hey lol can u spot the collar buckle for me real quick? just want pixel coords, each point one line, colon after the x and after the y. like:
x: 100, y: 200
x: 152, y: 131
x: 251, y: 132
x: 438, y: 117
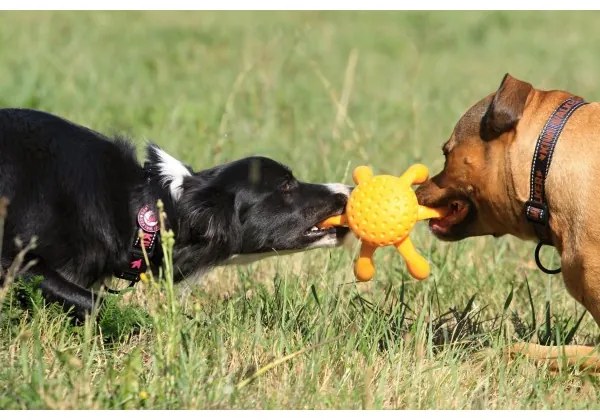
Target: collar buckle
x: 537, y: 212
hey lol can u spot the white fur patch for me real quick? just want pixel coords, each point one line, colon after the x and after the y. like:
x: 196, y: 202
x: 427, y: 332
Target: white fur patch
x: 329, y: 241
x: 240, y: 259
x: 339, y: 189
x: 172, y: 172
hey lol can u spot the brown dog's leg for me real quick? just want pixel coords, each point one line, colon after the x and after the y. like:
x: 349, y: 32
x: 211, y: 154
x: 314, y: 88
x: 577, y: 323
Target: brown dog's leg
x: 557, y: 357
x: 582, y: 284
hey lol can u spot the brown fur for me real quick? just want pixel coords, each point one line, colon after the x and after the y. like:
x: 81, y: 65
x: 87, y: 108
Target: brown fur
x: 488, y: 161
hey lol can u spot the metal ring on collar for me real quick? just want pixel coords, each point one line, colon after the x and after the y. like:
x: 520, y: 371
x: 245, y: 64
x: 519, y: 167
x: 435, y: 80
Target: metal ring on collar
x: 539, y: 262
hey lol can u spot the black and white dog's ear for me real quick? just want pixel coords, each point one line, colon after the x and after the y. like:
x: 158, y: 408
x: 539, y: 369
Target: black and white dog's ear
x: 170, y: 171
x: 207, y: 215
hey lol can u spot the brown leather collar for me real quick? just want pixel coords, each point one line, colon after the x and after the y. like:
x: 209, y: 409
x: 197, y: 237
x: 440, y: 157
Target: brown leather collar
x: 536, y: 208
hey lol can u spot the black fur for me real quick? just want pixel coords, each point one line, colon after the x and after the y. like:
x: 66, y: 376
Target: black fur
x: 79, y: 192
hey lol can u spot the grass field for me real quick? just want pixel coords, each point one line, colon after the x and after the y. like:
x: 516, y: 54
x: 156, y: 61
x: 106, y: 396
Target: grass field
x: 296, y: 331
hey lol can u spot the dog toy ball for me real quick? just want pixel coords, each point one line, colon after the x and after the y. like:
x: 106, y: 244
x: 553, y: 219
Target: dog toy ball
x: 381, y: 211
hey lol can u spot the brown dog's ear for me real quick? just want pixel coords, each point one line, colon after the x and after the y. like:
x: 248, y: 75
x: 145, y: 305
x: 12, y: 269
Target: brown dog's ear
x: 506, y: 108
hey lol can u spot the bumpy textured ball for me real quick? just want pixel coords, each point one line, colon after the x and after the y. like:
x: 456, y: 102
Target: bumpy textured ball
x: 382, y: 210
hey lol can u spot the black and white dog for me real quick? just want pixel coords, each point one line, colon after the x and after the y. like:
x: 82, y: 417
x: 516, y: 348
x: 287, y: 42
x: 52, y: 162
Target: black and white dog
x: 85, y: 197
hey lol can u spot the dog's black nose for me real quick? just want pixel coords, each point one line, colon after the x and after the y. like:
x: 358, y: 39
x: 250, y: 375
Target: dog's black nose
x: 340, y: 200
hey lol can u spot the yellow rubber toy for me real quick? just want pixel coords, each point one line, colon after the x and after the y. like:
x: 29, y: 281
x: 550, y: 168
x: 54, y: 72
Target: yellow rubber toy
x: 381, y: 211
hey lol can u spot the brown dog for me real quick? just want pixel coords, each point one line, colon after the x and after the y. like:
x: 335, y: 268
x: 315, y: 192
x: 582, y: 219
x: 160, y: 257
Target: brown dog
x: 486, y: 182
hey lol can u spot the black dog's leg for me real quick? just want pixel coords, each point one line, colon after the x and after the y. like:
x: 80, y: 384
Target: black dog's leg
x: 70, y: 295
x: 55, y: 288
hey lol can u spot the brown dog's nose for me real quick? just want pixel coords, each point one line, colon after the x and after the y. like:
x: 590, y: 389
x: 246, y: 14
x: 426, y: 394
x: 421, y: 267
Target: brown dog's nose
x: 422, y: 192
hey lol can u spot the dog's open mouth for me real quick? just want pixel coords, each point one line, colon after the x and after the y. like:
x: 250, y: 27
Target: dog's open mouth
x: 458, y: 210
x: 315, y: 232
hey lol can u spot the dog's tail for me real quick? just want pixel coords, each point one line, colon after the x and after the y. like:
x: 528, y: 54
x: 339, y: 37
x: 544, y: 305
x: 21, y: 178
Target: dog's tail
x: 559, y: 357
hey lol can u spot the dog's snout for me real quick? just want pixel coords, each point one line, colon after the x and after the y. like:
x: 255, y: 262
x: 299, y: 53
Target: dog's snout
x: 341, y: 192
x: 430, y: 193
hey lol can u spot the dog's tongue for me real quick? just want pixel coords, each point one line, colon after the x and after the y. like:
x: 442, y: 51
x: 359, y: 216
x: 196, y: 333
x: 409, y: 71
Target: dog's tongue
x: 439, y: 217
x: 448, y: 216
x: 442, y: 223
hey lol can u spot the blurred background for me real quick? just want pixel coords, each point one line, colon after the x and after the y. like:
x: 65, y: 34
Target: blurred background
x: 214, y: 86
